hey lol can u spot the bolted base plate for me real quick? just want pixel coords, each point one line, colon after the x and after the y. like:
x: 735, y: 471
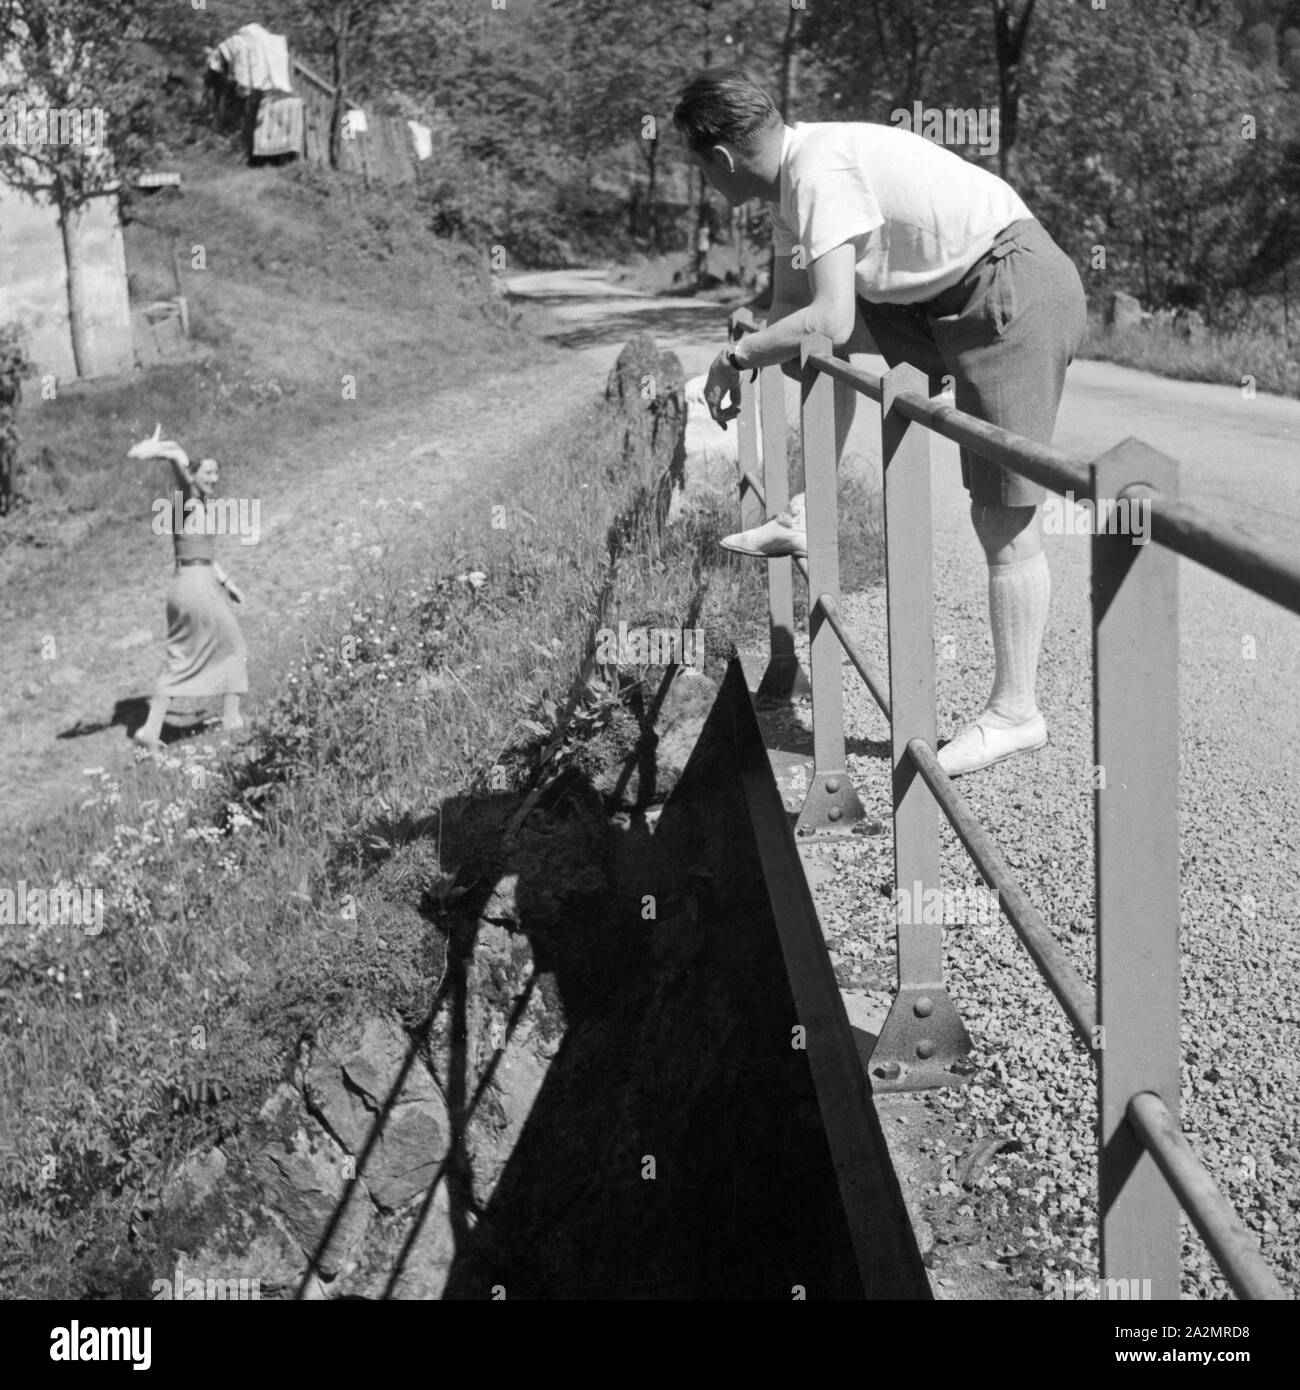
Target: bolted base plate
x: 832, y: 805
x: 922, y: 1045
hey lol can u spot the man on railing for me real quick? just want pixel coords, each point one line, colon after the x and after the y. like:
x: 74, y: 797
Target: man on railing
x: 887, y: 242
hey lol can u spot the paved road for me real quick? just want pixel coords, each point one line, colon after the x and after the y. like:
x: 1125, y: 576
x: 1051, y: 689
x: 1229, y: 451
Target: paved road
x: 1239, y: 455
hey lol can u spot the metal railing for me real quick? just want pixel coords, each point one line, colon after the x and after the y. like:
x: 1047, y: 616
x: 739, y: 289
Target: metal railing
x: 1130, y: 1026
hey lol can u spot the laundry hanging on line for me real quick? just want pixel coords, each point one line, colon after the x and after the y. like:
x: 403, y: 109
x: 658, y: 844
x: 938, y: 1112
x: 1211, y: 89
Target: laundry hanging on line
x: 254, y: 59
x: 280, y: 127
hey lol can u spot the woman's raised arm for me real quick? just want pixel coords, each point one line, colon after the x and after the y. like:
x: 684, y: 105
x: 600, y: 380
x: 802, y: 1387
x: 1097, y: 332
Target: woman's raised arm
x: 158, y: 447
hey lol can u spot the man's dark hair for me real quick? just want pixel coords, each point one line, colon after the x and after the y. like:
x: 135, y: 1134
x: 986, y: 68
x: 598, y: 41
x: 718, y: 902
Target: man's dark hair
x: 724, y: 106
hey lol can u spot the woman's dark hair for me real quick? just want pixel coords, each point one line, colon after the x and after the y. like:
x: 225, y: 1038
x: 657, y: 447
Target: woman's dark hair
x: 724, y: 106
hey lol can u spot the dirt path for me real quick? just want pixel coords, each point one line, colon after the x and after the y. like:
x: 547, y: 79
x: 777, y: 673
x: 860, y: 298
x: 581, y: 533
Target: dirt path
x: 337, y: 504
x: 596, y: 318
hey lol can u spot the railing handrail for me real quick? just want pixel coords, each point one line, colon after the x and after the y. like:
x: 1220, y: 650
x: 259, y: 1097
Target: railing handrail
x: 1259, y: 566
x: 1220, y: 1227
x: 1263, y: 566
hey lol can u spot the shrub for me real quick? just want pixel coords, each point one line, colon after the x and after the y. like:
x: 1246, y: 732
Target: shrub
x: 13, y: 367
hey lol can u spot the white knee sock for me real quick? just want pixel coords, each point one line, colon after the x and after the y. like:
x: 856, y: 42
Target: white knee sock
x: 1018, y: 598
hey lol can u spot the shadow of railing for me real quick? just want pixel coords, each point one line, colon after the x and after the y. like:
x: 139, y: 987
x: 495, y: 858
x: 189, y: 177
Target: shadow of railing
x: 676, y: 1147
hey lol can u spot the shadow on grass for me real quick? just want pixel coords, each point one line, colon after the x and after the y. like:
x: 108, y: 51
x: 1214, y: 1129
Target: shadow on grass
x: 130, y: 715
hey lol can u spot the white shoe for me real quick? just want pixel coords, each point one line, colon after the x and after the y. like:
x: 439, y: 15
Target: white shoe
x: 981, y: 745
x: 783, y: 534
x: 777, y: 536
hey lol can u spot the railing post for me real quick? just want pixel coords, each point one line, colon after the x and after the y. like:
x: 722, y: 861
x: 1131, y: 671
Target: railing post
x: 747, y: 451
x: 923, y: 1035
x: 832, y: 802
x: 1135, y: 721
x: 784, y: 677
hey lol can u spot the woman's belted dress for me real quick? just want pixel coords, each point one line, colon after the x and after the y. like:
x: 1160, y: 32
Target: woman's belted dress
x: 206, y: 652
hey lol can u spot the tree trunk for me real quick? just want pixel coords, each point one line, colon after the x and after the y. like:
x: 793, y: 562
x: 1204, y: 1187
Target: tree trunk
x: 1146, y: 262
x: 341, y: 23
x: 79, y: 293
x: 700, y: 254
x: 1009, y: 34
x: 882, y: 43
x: 651, y: 192
x: 787, y: 97
x: 789, y: 92
x: 1286, y: 305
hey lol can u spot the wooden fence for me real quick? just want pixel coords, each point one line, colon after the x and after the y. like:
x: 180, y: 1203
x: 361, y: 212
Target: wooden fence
x: 383, y: 153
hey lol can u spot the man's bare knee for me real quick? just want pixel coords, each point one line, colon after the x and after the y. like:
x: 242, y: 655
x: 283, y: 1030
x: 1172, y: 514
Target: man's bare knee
x: 1009, y: 533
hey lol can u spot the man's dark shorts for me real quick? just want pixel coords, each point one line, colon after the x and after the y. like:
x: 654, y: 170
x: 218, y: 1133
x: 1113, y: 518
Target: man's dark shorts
x: 1005, y: 334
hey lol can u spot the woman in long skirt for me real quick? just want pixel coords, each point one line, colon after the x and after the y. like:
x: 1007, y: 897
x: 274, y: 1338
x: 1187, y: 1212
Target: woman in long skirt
x: 206, y: 652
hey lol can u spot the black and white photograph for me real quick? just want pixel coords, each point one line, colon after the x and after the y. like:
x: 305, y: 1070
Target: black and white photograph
x: 650, y: 653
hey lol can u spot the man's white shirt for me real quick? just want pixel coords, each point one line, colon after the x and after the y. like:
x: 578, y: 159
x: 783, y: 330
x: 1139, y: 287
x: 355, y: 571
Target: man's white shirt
x: 918, y: 215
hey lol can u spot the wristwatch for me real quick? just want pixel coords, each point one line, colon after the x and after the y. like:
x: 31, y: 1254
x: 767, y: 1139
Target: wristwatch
x: 731, y: 361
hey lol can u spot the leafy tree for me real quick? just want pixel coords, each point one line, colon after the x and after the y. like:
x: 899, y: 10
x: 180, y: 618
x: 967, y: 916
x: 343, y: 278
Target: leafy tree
x: 616, y: 89
x: 65, y: 54
x: 872, y: 57
x: 1139, y: 139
